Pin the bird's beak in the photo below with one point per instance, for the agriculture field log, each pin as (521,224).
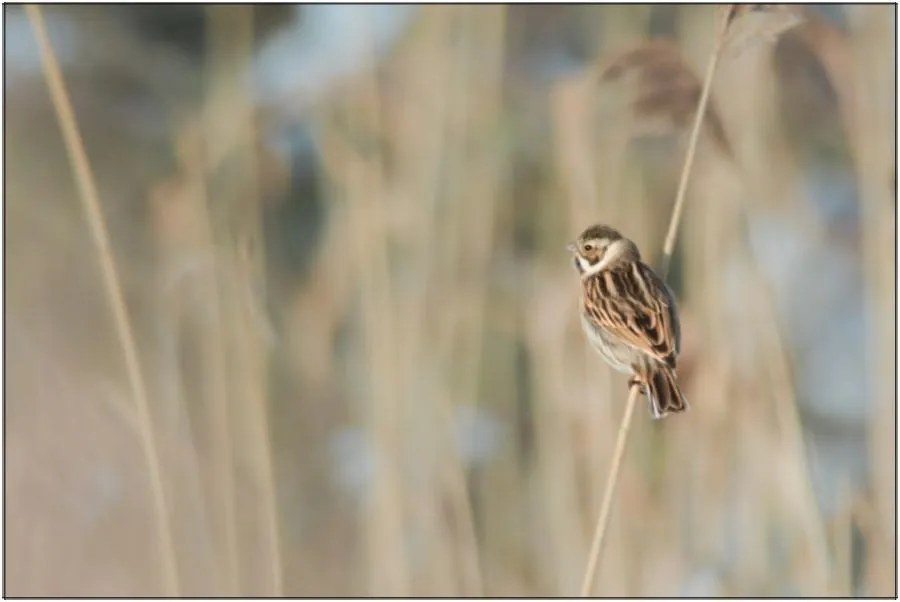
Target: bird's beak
(570,247)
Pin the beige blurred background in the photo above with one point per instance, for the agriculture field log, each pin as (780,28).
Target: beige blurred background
(340,231)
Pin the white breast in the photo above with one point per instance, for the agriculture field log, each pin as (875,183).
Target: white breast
(617,354)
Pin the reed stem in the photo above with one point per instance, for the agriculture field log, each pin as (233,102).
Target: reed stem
(90,199)
(672,233)
(668,248)
(611,480)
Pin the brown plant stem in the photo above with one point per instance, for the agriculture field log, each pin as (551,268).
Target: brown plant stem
(668,248)
(810,519)
(233,211)
(671,234)
(608,490)
(93,211)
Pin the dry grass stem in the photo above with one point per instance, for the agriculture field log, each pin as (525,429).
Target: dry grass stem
(93,211)
(668,248)
(777,363)
(611,480)
(669,245)
(234,212)
(876,167)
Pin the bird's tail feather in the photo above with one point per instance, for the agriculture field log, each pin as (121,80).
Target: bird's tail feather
(661,389)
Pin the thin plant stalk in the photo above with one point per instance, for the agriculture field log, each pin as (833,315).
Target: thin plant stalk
(875,164)
(608,490)
(478,189)
(362,184)
(423,152)
(672,233)
(810,518)
(233,198)
(668,248)
(93,211)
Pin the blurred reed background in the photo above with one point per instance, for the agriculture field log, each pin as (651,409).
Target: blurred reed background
(340,236)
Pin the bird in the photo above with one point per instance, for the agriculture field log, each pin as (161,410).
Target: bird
(629,315)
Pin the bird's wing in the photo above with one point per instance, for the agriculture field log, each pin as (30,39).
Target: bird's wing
(636,306)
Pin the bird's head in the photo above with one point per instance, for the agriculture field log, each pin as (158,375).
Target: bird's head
(600,247)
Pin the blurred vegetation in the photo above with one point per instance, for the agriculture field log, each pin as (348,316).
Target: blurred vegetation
(340,236)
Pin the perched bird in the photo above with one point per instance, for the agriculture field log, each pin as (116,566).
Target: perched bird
(629,315)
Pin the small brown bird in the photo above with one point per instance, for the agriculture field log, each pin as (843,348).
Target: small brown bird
(629,315)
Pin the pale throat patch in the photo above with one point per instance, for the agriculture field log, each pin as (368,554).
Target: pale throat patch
(583,263)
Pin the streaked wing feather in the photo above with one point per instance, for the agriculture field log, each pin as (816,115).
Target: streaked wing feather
(637,307)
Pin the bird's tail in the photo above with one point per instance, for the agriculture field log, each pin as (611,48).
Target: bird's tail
(659,385)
